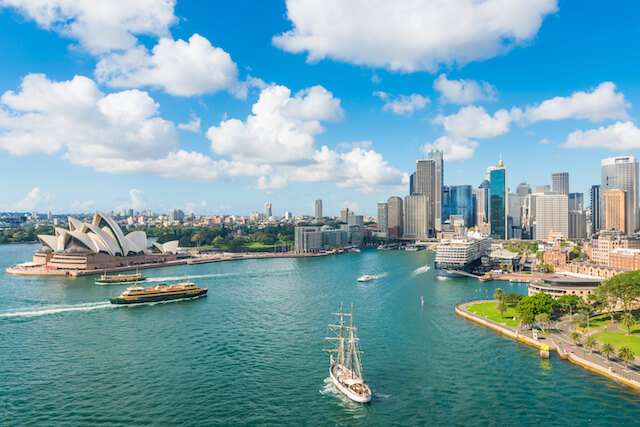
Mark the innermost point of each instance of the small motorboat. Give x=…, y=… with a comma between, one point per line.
x=366, y=278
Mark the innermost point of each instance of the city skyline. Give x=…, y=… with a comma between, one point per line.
x=376, y=114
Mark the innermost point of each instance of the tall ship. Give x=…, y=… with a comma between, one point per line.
x=160, y=293
x=345, y=364
x=119, y=279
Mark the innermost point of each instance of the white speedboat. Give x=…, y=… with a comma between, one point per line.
x=366, y=278
x=345, y=369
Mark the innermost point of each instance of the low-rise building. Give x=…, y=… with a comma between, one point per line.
x=564, y=284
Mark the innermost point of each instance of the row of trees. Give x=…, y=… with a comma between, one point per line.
x=23, y=235
x=607, y=350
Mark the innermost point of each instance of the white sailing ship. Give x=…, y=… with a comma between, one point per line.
x=345, y=365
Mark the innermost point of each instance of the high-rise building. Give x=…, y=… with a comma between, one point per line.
x=552, y=216
x=615, y=210
x=446, y=203
x=596, y=209
x=461, y=203
x=267, y=210
x=543, y=189
x=437, y=157
x=576, y=201
x=560, y=182
x=344, y=215
x=514, y=213
x=622, y=173
x=498, y=200
x=412, y=183
x=395, y=217
x=318, y=209
x=523, y=189
x=577, y=224
x=383, y=213
x=425, y=185
x=415, y=220
x=482, y=207
x=355, y=220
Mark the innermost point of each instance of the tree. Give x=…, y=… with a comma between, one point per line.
x=568, y=303
x=575, y=337
x=626, y=355
x=529, y=307
x=607, y=350
x=591, y=343
x=585, y=309
x=498, y=294
x=543, y=320
x=628, y=321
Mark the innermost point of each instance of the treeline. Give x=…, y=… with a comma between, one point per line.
x=26, y=234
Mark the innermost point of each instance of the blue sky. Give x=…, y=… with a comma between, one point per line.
x=358, y=81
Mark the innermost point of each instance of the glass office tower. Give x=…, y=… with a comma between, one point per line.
x=498, y=201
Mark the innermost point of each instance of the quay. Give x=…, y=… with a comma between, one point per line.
x=30, y=269
x=561, y=343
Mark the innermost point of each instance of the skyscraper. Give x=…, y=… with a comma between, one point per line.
x=577, y=224
x=425, y=185
x=596, y=208
x=552, y=216
x=437, y=157
x=446, y=203
x=412, y=183
x=415, y=217
x=523, y=189
x=383, y=213
x=498, y=200
x=514, y=212
x=344, y=215
x=560, y=182
x=615, y=210
x=576, y=201
x=622, y=173
x=461, y=203
x=318, y=206
x=394, y=217
x=482, y=207
x=267, y=210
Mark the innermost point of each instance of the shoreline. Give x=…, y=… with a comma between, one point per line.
x=18, y=270
x=563, y=353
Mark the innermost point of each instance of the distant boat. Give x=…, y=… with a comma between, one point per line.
x=120, y=279
x=366, y=278
x=422, y=300
x=160, y=293
x=345, y=369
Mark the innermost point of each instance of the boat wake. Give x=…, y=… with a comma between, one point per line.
x=329, y=388
x=421, y=270
x=442, y=278
x=193, y=276
x=56, y=309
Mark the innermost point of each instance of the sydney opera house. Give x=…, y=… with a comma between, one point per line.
x=98, y=245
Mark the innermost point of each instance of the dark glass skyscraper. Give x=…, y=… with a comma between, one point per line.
x=498, y=201
x=446, y=203
x=596, y=208
x=461, y=203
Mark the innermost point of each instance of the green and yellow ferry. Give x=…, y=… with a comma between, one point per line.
x=160, y=293
x=120, y=279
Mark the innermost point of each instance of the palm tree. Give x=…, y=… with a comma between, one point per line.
x=498, y=294
x=626, y=355
x=575, y=337
x=607, y=350
x=628, y=321
x=591, y=343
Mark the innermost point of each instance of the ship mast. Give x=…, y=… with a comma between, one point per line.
x=353, y=360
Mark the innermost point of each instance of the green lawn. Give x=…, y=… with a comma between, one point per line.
x=620, y=339
x=489, y=310
x=258, y=245
x=594, y=323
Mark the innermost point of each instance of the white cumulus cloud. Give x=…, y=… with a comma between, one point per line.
x=193, y=125
x=620, y=136
x=410, y=35
x=602, y=103
x=99, y=26
x=475, y=122
x=402, y=105
x=463, y=92
x=182, y=68
x=453, y=149
x=35, y=199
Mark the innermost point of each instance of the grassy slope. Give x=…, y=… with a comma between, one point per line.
x=489, y=310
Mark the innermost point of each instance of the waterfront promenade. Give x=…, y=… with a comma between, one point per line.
x=558, y=340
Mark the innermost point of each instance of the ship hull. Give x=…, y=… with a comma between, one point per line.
x=345, y=390
x=158, y=298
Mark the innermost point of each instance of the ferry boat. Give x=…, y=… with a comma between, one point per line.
x=366, y=278
x=345, y=366
x=140, y=295
x=120, y=279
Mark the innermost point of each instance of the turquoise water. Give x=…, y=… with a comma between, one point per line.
x=250, y=353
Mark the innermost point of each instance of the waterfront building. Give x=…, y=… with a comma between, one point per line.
x=551, y=216
x=416, y=225
x=437, y=157
x=383, y=212
x=596, y=208
x=461, y=254
x=267, y=210
x=395, y=217
x=318, y=209
x=615, y=210
x=461, y=203
x=307, y=239
x=560, y=182
x=563, y=284
x=313, y=239
x=498, y=200
x=577, y=224
x=576, y=201
x=622, y=173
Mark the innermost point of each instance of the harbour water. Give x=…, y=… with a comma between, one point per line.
x=251, y=352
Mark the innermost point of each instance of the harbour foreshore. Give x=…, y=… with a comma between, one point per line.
x=33, y=270
x=560, y=343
